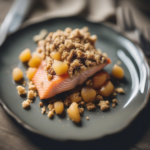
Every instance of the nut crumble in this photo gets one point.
(50, 107)
(115, 101)
(81, 110)
(120, 90)
(43, 110)
(31, 94)
(104, 105)
(90, 106)
(76, 47)
(50, 114)
(21, 90)
(113, 105)
(26, 103)
(98, 97)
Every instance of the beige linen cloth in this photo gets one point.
(93, 10)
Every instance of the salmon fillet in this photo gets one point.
(59, 84)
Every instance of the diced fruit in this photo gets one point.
(88, 94)
(31, 72)
(106, 89)
(34, 62)
(59, 107)
(99, 79)
(25, 55)
(55, 55)
(73, 112)
(75, 97)
(17, 74)
(60, 67)
(117, 72)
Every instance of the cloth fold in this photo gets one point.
(94, 11)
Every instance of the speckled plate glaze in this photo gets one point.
(135, 84)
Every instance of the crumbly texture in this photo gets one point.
(120, 90)
(43, 110)
(77, 49)
(90, 106)
(82, 103)
(50, 107)
(98, 98)
(50, 114)
(26, 103)
(89, 82)
(40, 36)
(104, 105)
(76, 96)
(67, 102)
(81, 110)
(113, 105)
(32, 87)
(115, 101)
(21, 90)
(31, 94)
(40, 104)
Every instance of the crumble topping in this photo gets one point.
(113, 105)
(43, 110)
(89, 82)
(76, 96)
(26, 103)
(77, 49)
(32, 87)
(82, 103)
(90, 106)
(50, 114)
(104, 105)
(67, 102)
(81, 110)
(115, 101)
(40, 104)
(50, 107)
(120, 90)
(40, 36)
(31, 94)
(21, 90)
(98, 97)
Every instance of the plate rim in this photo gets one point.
(33, 130)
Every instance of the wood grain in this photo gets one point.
(14, 137)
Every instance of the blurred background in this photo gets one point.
(128, 17)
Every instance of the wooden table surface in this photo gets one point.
(14, 137)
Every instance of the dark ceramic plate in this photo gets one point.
(135, 84)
